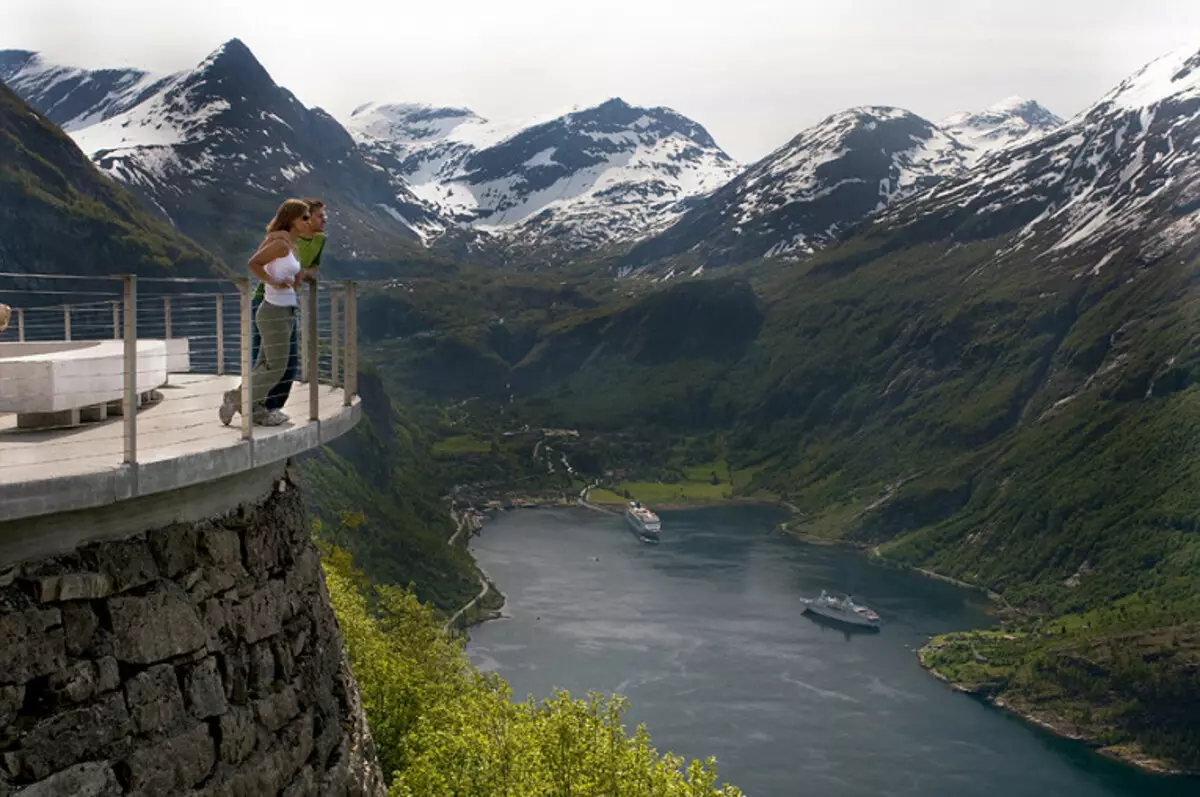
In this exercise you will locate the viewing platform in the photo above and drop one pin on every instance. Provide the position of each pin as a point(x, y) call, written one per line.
point(69, 371)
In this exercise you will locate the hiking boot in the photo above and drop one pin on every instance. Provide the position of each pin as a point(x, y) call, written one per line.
point(229, 405)
point(269, 418)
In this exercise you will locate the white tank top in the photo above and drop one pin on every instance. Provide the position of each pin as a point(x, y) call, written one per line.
point(282, 268)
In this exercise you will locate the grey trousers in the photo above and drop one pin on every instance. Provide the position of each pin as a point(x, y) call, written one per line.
point(275, 330)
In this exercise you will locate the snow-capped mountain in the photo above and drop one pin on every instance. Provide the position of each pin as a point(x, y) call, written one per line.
point(422, 144)
point(1011, 121)
point(223, 136)
point(71, 97)
point(1124, 172)
point(606, 174)
point(810, 191)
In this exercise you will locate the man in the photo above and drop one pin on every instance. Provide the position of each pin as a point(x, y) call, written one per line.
point(308, 252)
point(5, 314)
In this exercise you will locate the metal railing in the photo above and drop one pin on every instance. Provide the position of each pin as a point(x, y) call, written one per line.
point(213, 316)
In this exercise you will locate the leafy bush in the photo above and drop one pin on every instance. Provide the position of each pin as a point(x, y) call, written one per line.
point(443, 729)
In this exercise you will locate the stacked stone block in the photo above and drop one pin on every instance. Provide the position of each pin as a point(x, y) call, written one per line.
point(200, 659)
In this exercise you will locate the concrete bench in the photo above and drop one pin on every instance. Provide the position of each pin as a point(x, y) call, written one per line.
point(64, 383)
point(178, 356)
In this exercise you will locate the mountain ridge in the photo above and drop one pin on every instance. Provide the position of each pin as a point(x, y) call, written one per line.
point(605, 178)
point(814, 188)
point(601, 175)
point(1102, 173)
point(224, 135)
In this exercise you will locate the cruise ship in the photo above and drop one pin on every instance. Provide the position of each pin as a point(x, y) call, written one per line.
point(645, 524)
point(843, 610)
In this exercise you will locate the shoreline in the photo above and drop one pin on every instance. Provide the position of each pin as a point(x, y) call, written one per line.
point(827, 542)
point(472, 522)
point(702, 503)
point(1127, 754)
point(1003, 606)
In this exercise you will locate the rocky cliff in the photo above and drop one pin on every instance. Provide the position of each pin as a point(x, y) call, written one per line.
point(197, 658)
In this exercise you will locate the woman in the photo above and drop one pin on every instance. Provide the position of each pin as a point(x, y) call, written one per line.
point(276, 265)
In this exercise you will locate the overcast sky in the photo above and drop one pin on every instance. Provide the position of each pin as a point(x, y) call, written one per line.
point(754, 72)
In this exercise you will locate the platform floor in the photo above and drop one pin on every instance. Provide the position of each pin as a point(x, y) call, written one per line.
point(183, 425)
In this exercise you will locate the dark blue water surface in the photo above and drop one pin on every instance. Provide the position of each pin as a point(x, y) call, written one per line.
point(704, 634)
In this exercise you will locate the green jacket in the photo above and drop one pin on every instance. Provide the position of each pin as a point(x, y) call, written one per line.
point(308, 252)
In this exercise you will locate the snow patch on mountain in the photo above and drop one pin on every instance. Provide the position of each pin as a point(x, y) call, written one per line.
point(424, 145)
point(1010, 122)
point(415, 125)
point(168, 119)
point(427, 231)
point(638, 169)
point(1174, 76)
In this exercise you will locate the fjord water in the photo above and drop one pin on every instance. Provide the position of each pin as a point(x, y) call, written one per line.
point(704, 634)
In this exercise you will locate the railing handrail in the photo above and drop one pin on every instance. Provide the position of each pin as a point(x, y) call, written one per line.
point(114, 277)
point(342, 296)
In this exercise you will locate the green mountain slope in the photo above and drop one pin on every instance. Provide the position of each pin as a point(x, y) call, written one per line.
point(653, 360)
point(58, 214)
point(374, 493)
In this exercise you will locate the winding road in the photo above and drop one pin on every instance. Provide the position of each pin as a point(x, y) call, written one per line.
point(484, 587)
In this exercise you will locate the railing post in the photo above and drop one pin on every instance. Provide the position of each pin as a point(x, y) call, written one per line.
point(247, 365)
point(130, 404)
point(221, 335)
point(310, 326)
point(66, 322)
point(350, 366)
point(167, 317)
point(302, 328)
point(116, 320)
point(333, 335)
point(20, 325)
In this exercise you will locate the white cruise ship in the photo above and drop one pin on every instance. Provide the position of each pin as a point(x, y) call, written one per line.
point(645, 524)
point(843, 610)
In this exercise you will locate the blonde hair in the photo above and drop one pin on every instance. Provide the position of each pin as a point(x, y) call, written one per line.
point(286, 216)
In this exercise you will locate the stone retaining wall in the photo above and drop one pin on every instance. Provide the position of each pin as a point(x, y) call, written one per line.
point(197, 659)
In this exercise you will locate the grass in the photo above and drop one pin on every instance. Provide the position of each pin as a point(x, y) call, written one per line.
point(602, 496)
point(657, 492)
point(660, 493)
point(704, 472)
point(697, 486)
